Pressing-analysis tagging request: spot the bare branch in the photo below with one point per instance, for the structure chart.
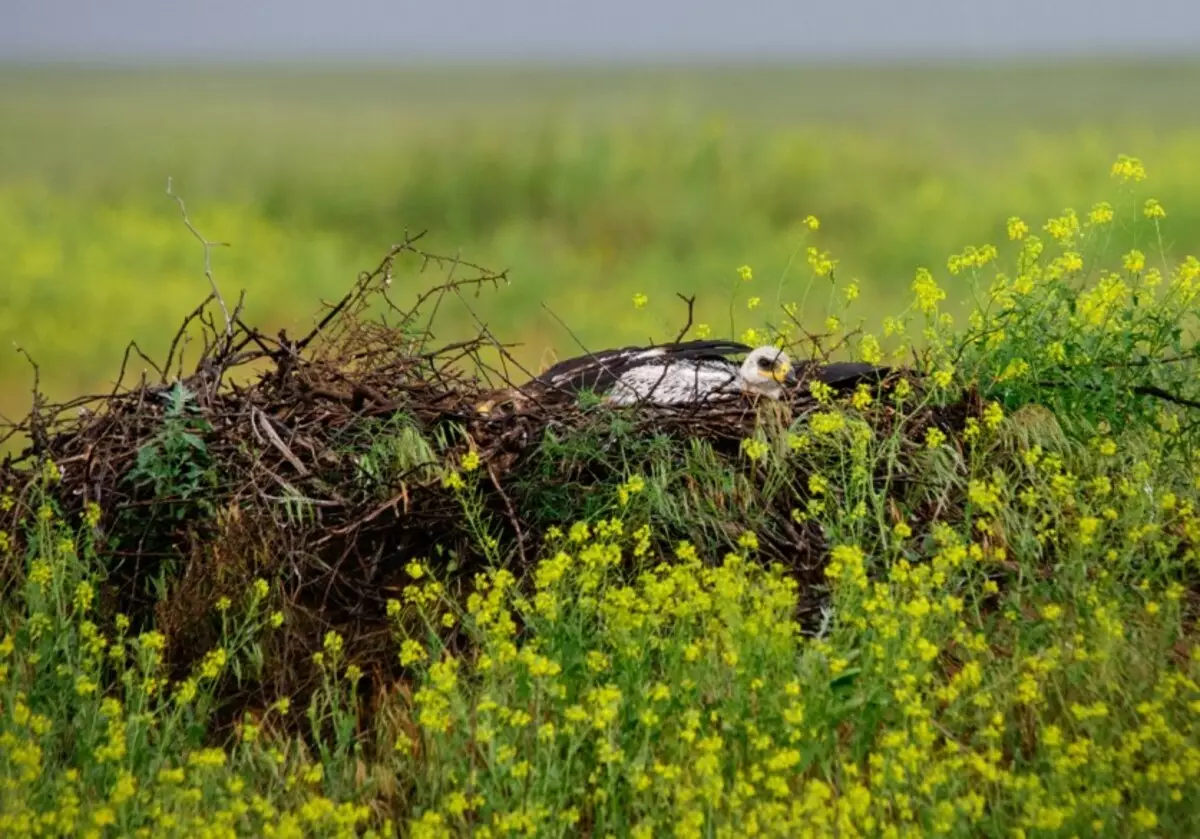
(208, 246)
(691, 306)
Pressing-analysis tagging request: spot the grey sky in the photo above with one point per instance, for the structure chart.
(378, 30)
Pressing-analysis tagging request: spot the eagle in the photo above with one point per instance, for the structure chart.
(689, 373)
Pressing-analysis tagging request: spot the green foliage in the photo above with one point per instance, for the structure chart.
(567, 473)
(175, 465)
(654, 182)
(395, 453)
(97, 738)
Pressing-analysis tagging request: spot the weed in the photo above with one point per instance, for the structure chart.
(175, 465)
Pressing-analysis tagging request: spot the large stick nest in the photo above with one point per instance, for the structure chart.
(317, 463)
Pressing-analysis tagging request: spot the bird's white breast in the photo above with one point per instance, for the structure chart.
(675, 383)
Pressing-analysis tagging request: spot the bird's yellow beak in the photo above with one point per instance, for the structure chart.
(780, 372)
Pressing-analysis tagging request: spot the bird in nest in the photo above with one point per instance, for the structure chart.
(689, 372)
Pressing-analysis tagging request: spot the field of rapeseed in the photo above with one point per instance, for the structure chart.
(1025, 663)
(589, 186)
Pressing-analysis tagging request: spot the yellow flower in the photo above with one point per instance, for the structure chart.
(755, 450)
(1017, 229)
(630, 488)
(927, 291)
(185, 692)
(862, 398)
(1088, 525)
(1064, 227)
(746, 273)
(213, 663)
(333, 643)
(1153, 209)
(154, 641)
(1015, 369)
(993, 415)
(1145, 819)
(640, 300)
(753, 302)
(1128, 169)
(260, 589)
(827, 422)
(223, 604)
(411, 652)
(84, 596)
(869, 350)
(820, 261)
(703, 330)
(470, 461)
(1134, 261)
(51, 472)
(124, 789)
(943, 377)
(812, 222)
(1101, 213)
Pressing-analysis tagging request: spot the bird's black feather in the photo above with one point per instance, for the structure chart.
(848, 374)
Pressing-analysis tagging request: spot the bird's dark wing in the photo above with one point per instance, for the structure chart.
(703, 349)
(848, 374)
(599, 371)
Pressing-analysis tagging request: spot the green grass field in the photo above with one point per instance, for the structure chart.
(588, 186)
(1009, 644)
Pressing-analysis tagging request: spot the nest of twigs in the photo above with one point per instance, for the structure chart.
(264, 460)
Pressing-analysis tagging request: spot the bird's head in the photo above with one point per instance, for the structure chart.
(766, 371)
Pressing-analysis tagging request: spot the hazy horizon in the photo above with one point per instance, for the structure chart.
(544, 31)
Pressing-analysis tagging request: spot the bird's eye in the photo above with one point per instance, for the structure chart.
(764, 363)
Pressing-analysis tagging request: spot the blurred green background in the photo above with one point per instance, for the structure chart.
(588, 185)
